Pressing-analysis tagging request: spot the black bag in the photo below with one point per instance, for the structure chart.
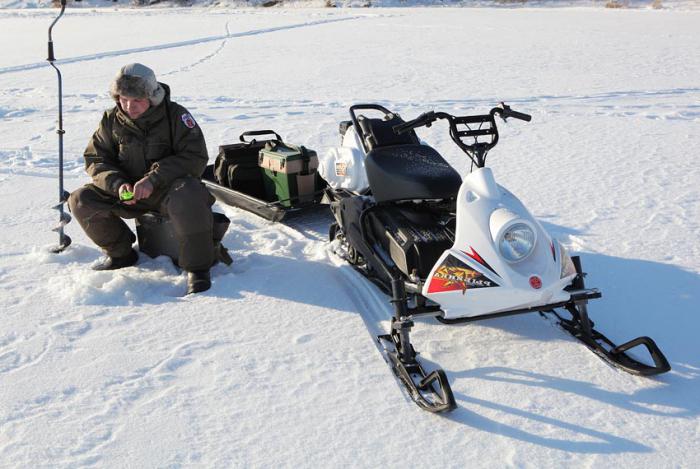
(236, 165)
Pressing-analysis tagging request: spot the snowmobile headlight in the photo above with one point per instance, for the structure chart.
(567, 265)
(516, 242)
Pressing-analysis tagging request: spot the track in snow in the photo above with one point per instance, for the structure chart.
(171, 45)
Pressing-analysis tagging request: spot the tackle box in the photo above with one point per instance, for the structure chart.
(290, 174)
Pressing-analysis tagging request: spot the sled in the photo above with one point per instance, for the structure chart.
(262, 175)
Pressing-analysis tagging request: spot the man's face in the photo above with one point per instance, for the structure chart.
(134, 107)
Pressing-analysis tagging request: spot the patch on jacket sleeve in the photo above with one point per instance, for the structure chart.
(188, 120)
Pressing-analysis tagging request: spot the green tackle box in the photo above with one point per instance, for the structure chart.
(290, 175)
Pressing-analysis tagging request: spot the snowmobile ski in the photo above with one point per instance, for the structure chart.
(430, 391)
(581, 327)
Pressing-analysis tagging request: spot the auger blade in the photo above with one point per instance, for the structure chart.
(64, 242)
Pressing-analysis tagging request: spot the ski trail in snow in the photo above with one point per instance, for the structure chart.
(171, 45)
(371, 305)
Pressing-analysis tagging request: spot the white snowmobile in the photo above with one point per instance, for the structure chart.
(459, 250)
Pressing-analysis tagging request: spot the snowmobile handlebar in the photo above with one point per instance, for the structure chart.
(474, 127)
(426, 119)
(505, 111)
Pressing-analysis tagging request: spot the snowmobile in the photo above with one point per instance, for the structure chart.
(460, 250)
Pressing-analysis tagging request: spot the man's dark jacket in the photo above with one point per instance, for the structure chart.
(164, 143)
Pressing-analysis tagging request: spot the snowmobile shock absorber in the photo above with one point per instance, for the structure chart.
(64, 218)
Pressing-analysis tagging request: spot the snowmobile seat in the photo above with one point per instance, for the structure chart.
(410, 172)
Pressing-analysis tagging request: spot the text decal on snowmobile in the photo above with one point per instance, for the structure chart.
(453, 275)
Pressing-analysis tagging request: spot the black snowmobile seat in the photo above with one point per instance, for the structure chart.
(410, 172)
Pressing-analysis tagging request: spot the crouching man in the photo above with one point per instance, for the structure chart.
(151, 147)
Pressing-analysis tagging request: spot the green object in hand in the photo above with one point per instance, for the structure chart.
(126, 195)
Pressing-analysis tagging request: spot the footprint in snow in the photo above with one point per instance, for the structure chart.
(73, 330)
(302, 339)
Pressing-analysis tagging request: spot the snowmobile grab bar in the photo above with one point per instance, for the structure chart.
(375, 107)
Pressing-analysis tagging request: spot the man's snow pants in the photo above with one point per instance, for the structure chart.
(186, 202)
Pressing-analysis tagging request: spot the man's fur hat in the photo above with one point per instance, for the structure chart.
(137, 81)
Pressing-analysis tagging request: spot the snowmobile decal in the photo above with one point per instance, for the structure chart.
(455, 275)
(554, 256)
(475, 255)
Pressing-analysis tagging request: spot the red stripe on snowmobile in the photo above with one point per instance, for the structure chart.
(475, 255)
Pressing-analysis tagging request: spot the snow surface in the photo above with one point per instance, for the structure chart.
(275, 366)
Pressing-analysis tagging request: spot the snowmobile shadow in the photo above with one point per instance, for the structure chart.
(664, 401)
(298, 280)
(313, 224)
(661, 401)
(598, 442)
(557, 231)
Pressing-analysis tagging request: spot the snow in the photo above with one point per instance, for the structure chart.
(275, 366)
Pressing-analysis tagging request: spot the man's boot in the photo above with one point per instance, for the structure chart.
(114, 263)
(198, 281)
